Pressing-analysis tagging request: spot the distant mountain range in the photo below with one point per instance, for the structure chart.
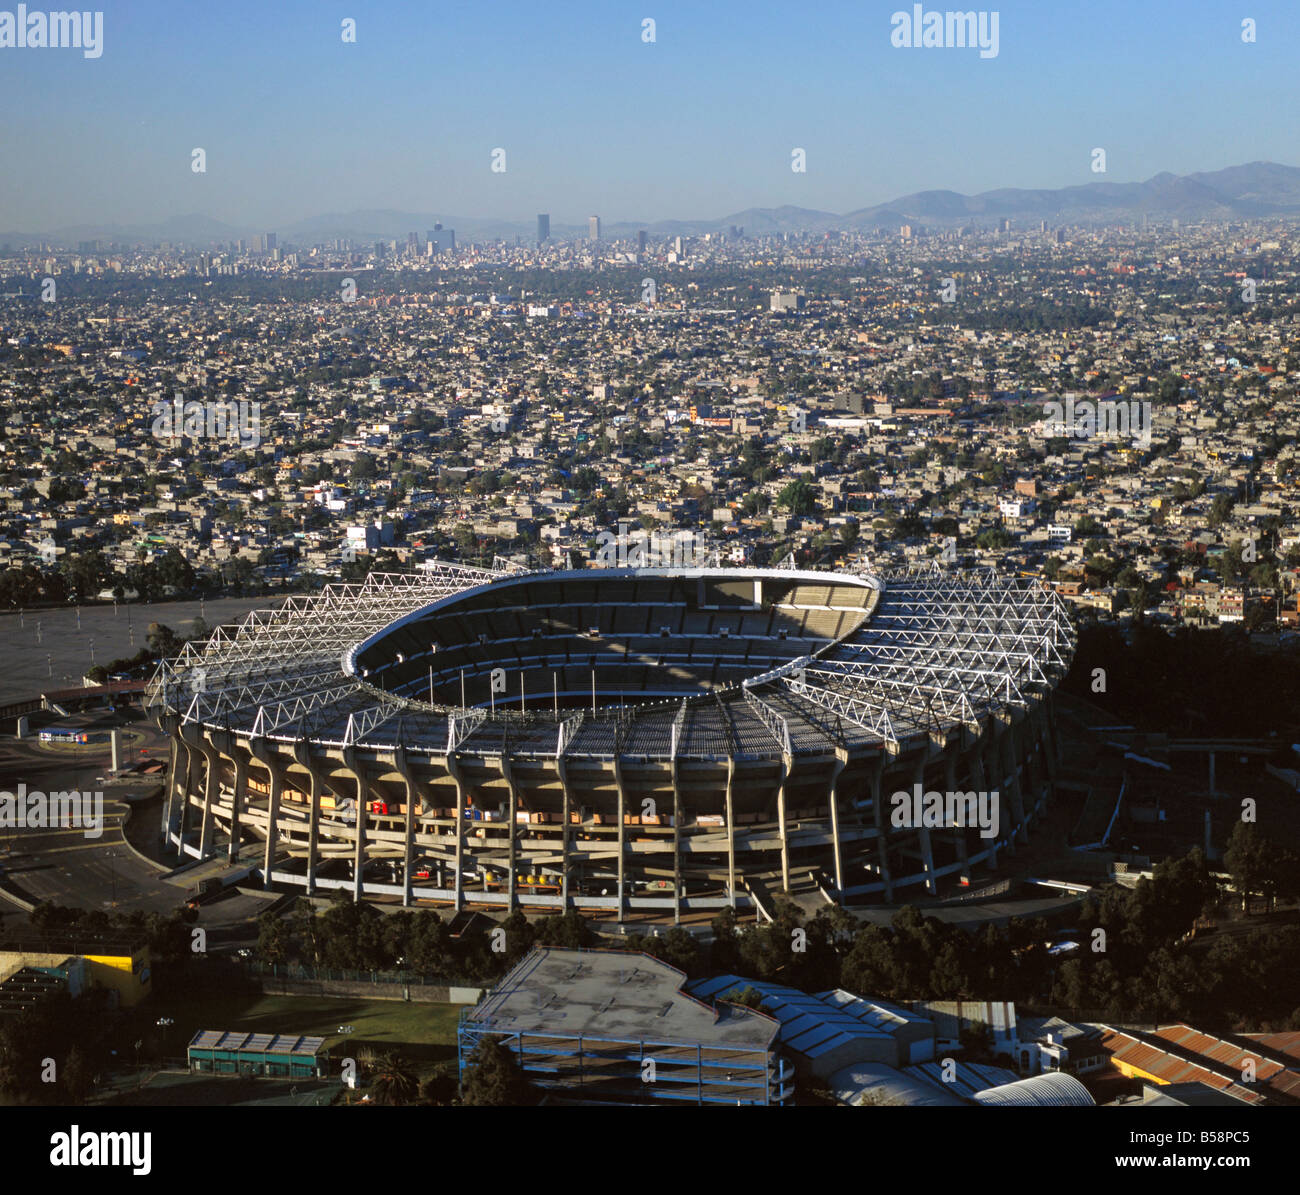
(1258, 189)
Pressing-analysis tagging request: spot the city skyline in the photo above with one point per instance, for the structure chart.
(1236, 192)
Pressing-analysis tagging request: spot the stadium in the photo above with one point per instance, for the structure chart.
(654, 739)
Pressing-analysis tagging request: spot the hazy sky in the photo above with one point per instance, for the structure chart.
(699, 124)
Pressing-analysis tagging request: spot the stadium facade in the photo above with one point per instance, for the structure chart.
(615, 739)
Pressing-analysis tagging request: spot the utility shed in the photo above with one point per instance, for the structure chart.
(273, 1055)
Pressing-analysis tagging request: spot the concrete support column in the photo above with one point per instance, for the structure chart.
(841, 760)
(315, 788)
(1051, 740)
(622, 833)
(923, 831)
(1046, 770)
(358, 770)
(959, 835)
(240, 797)
(1011, 768)
(566, 806)
(512, 838)
(453, 769)
(978, 773)
(677, 846)
(177, 768)
(1031, 787)
(211, 792)
(1046, 746)
(731, 832)
(275, 790)
(786, 763)
(975, 764)
(882, 832)
(402, 764)
(193, 781)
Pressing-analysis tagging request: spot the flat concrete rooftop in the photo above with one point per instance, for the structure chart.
(614, 994)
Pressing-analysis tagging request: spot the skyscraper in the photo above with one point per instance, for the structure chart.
(593, 228)
(442, 240)
(543, 228)
(640, 241)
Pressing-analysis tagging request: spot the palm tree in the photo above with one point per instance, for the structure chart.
(394, 1082)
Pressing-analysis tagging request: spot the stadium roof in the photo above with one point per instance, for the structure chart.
(934, 652)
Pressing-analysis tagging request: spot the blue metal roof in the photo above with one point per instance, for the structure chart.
(812, 1025)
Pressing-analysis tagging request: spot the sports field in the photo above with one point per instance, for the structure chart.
(425, 1032)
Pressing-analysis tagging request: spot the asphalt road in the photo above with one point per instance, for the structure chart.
(66, 865)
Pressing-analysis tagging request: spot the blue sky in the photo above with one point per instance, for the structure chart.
(698, 124)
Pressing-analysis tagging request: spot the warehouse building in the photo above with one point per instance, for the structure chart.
(269, 1055)
(1177, 1053)
(119, 967)
(824, 1033)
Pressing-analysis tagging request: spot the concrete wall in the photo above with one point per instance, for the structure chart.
(416, 993)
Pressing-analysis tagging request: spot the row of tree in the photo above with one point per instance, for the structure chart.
(1133, 957)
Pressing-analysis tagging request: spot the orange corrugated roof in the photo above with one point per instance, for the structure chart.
(1279, 1043)
(1169, 1068)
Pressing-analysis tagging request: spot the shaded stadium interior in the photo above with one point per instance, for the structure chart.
(627, 637)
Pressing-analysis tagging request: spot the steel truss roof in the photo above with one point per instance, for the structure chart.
(939, 652)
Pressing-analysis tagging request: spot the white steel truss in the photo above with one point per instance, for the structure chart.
(938, 651)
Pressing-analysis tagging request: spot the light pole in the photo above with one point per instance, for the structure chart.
(164, 1023)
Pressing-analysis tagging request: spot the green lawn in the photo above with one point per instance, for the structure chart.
(424, 1032)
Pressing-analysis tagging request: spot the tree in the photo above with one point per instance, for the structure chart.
(675, 947)
(977, 1041)
(493, 1078)
(1220, 509)
(162, 640)
(746, 996)
(799, 498)
(438, 1090)
(394, 1083)
(724, 954)
(75, 1076)
(995, 537)
(1257, 866)
(570, 931)
(272, 938)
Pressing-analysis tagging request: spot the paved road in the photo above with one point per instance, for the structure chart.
(65, 865)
